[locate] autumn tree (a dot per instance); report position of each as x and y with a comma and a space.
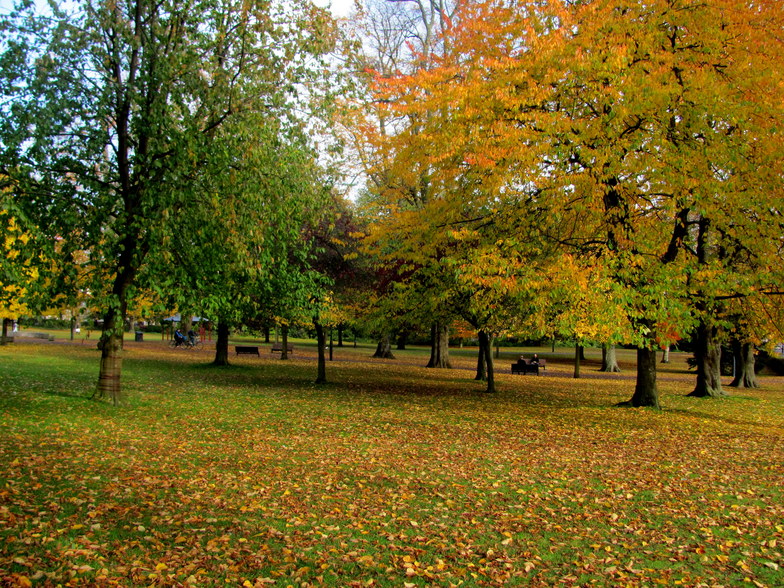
113, 112
400, 37
627, 123
18, 270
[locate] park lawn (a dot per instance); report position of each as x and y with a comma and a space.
391, 475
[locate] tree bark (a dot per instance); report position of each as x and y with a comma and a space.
708, 355
486, 345
4, 339
384, 348
578, 355
111, 341
609, 359
284, 337
340, 335
321, 341
402, 338
439, 346
646, 392
222, 345
481, 361
110, 371
745, 373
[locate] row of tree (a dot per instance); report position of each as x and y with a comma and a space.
606, 170
602, 170
163, 150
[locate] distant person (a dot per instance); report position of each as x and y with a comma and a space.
179, 338
191, 337
535, 359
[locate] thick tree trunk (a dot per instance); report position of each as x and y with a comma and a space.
384, 348
402, 338
321, 341
481, 360
666, 355
745, 373
578, 355
609, 359
708, 356
222, 345
284, 338
486, 345
111, 345
340, 335
646, 392
266, 331
439, 346
4, 337
111, 341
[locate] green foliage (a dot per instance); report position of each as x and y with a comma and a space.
122, 119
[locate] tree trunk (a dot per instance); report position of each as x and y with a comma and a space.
666, 355
646, 393
481, 361
577, 357
384, 348
266, 331
609, 360
402, 337
222, 345
111, 345
284, 338
708, 355
111, 341
745, 373
340, 335
439, 346
4, 339
486, 345
321, 341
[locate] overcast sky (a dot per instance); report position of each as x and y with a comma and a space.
339, 7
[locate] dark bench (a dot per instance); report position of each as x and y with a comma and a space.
247, 350
278, 348
524, 366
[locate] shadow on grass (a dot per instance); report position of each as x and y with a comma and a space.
88, 395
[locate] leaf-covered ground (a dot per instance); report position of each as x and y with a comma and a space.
393, 475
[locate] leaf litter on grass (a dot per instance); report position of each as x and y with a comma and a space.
400, 477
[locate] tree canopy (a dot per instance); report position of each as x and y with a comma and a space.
116, 115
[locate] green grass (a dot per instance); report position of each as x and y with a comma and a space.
390, 475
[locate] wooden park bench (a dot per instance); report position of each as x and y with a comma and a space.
278, 348
524, 366
247, 350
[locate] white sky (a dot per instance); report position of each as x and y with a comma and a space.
339, 7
